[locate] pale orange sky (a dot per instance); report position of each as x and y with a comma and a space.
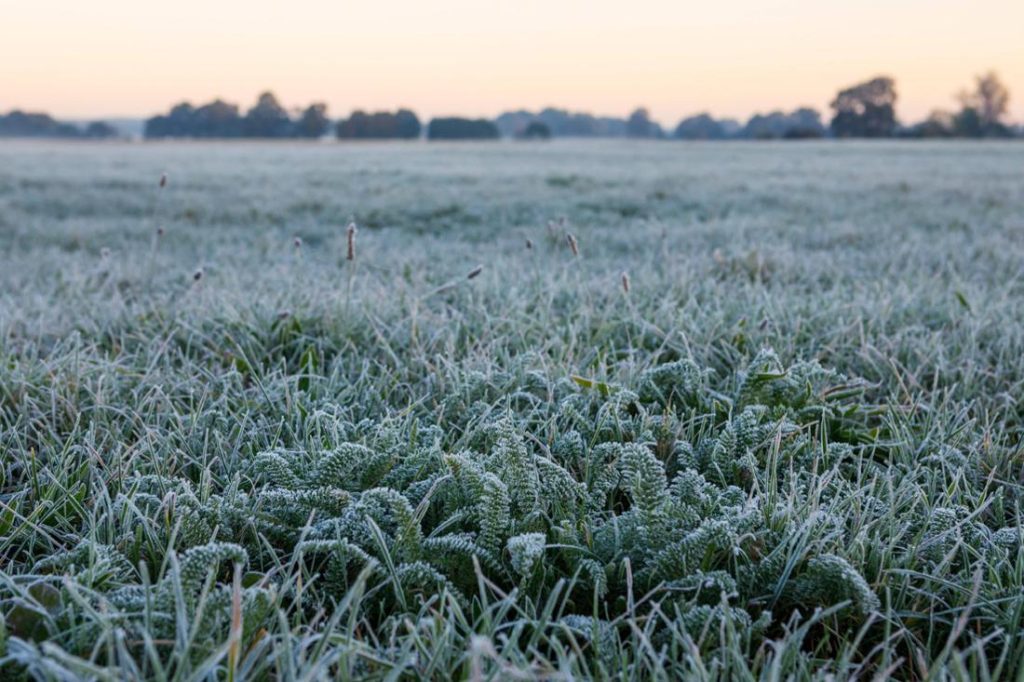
80, 59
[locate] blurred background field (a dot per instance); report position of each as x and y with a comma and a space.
818, 247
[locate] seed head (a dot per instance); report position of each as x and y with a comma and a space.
573, 244
297, 242
625, 281
350, 234
160, 231
529, 244
163, 180
198, 274
475, 271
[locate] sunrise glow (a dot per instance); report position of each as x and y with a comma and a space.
126, 58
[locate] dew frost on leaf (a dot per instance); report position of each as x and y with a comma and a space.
594, 503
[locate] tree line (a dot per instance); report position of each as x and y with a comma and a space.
219, 119
19, 123
867, 109
269, 119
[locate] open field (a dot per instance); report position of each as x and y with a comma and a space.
789, 447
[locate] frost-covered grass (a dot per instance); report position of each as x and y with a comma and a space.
791, 448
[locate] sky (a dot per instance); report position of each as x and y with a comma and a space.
103, 58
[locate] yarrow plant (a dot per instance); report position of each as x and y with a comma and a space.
623, 510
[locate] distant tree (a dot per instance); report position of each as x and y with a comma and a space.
938, 124
968, 123
407, 125
730, 126
100, 130
799, 124
220, 119
513, 123
765, 126
802, 134
381, 125
804, 123
639, 124
562, 123
536, 130
155, 127
990, 98
27, 124
182, 112
174, 124
609, 126
217, 119
214, 120
357, 125
267, 118
866, 110
454, 128
983, 109
313, 122
699, 127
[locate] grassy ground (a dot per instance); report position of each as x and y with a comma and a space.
764, 423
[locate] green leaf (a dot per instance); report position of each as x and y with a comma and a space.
46, 595
252, 579
27, 619
308, 366
601, 387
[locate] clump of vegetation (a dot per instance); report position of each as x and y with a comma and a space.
297, 467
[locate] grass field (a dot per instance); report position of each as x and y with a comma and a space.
722, 411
